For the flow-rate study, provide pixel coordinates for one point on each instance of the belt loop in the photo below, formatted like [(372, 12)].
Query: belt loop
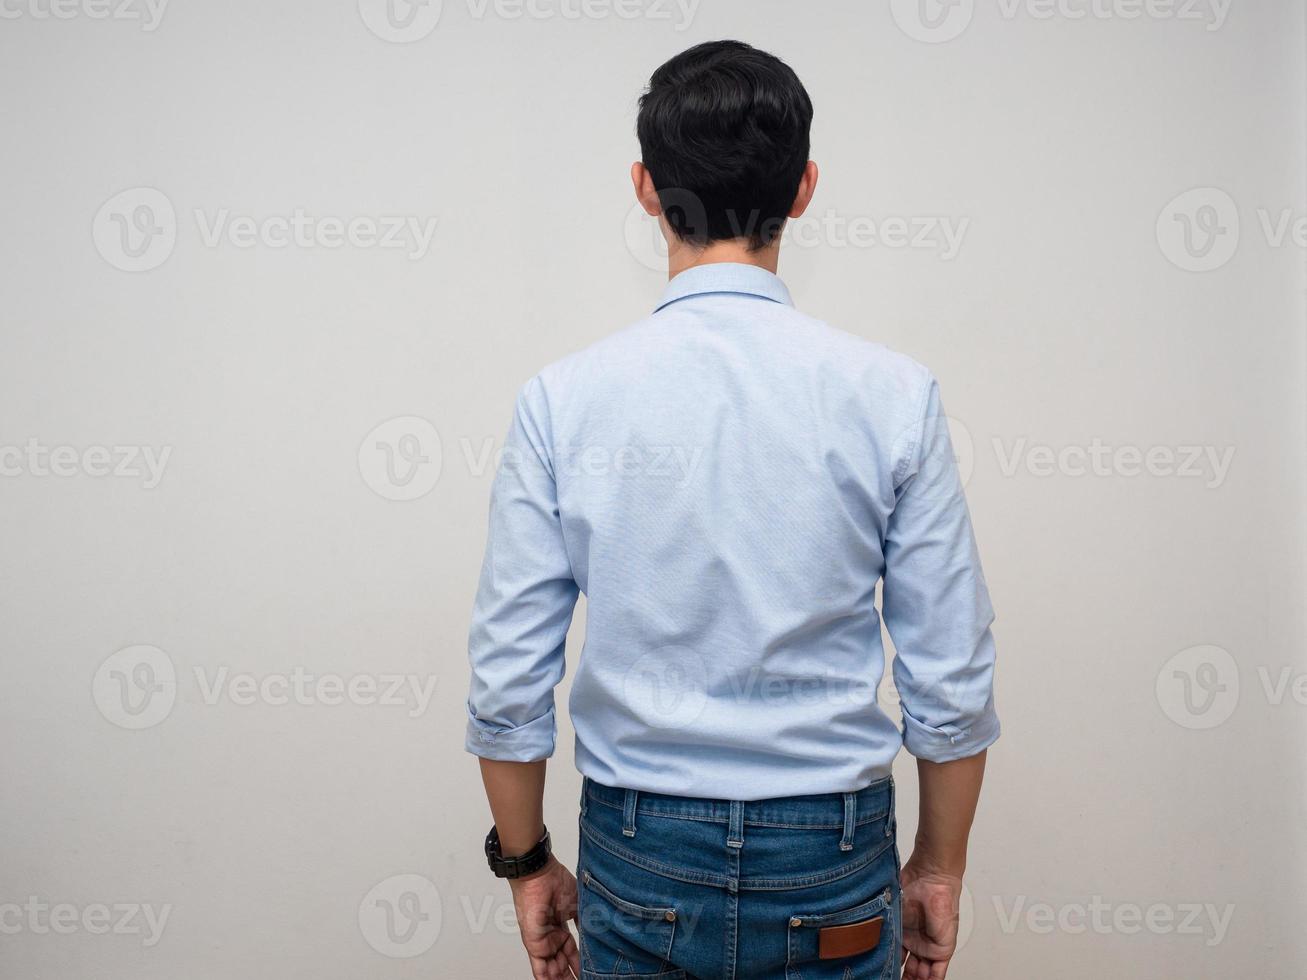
[(735, 831), (585, 792), (628, 813), (850, 820)]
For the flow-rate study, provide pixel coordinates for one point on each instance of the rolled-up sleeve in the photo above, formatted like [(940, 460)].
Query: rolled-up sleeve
[(524, 600), (935, 602)]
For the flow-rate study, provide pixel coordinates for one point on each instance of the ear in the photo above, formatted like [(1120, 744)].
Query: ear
[(645, 192), (807, 188)]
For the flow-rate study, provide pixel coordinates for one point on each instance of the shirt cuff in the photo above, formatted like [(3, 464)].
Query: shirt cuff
[(948, 744), (527, 743)]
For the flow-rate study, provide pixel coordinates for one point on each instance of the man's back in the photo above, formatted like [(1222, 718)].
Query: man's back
[(728, 481), (727, 476)]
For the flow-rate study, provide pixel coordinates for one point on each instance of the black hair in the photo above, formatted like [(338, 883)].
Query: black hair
[(725, 133)]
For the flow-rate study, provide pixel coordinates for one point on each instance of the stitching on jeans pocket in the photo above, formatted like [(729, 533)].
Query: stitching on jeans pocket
[(654, 939), (644, 912), (803, 928)]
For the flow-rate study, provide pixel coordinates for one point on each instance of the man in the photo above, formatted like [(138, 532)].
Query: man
[(727, 481)]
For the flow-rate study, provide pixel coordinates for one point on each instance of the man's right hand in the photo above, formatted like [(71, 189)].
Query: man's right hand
[(930, 920), (932, 878), (544, 903)]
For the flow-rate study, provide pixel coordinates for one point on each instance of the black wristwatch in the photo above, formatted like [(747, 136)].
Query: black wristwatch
[(517, 867)]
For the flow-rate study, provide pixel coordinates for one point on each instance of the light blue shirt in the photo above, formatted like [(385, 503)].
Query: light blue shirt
[(727, 481)]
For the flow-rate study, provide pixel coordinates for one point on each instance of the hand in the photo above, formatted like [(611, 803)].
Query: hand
[(544, 902), (930, 919)]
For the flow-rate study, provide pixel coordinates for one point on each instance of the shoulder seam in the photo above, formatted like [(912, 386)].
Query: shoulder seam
[(918, 423)]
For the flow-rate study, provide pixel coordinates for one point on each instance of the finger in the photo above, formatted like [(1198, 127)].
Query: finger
[(567, 903), (573, 955), (562, 965), (938, 969)]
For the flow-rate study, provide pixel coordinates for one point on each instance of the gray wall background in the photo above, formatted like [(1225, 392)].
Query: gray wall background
[(205, 424)]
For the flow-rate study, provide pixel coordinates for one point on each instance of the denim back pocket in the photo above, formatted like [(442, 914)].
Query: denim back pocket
[(805, 943), (622, 939)]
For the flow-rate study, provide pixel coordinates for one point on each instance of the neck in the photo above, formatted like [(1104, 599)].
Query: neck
[(681, 257)]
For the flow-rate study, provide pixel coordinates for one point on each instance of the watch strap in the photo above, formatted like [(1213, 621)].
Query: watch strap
[(522, 865)]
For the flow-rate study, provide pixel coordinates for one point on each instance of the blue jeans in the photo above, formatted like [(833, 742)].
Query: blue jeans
[(673, 887)]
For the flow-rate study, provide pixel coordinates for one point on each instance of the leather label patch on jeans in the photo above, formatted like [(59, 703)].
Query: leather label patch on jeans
[(834, 942)]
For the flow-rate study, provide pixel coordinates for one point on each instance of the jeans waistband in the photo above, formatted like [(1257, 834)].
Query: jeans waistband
[(824, 811)]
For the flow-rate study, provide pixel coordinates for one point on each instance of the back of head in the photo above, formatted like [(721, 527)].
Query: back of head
[(724, 132)]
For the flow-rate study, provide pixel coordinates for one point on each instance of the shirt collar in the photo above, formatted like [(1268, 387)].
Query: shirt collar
[(726, 277)]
